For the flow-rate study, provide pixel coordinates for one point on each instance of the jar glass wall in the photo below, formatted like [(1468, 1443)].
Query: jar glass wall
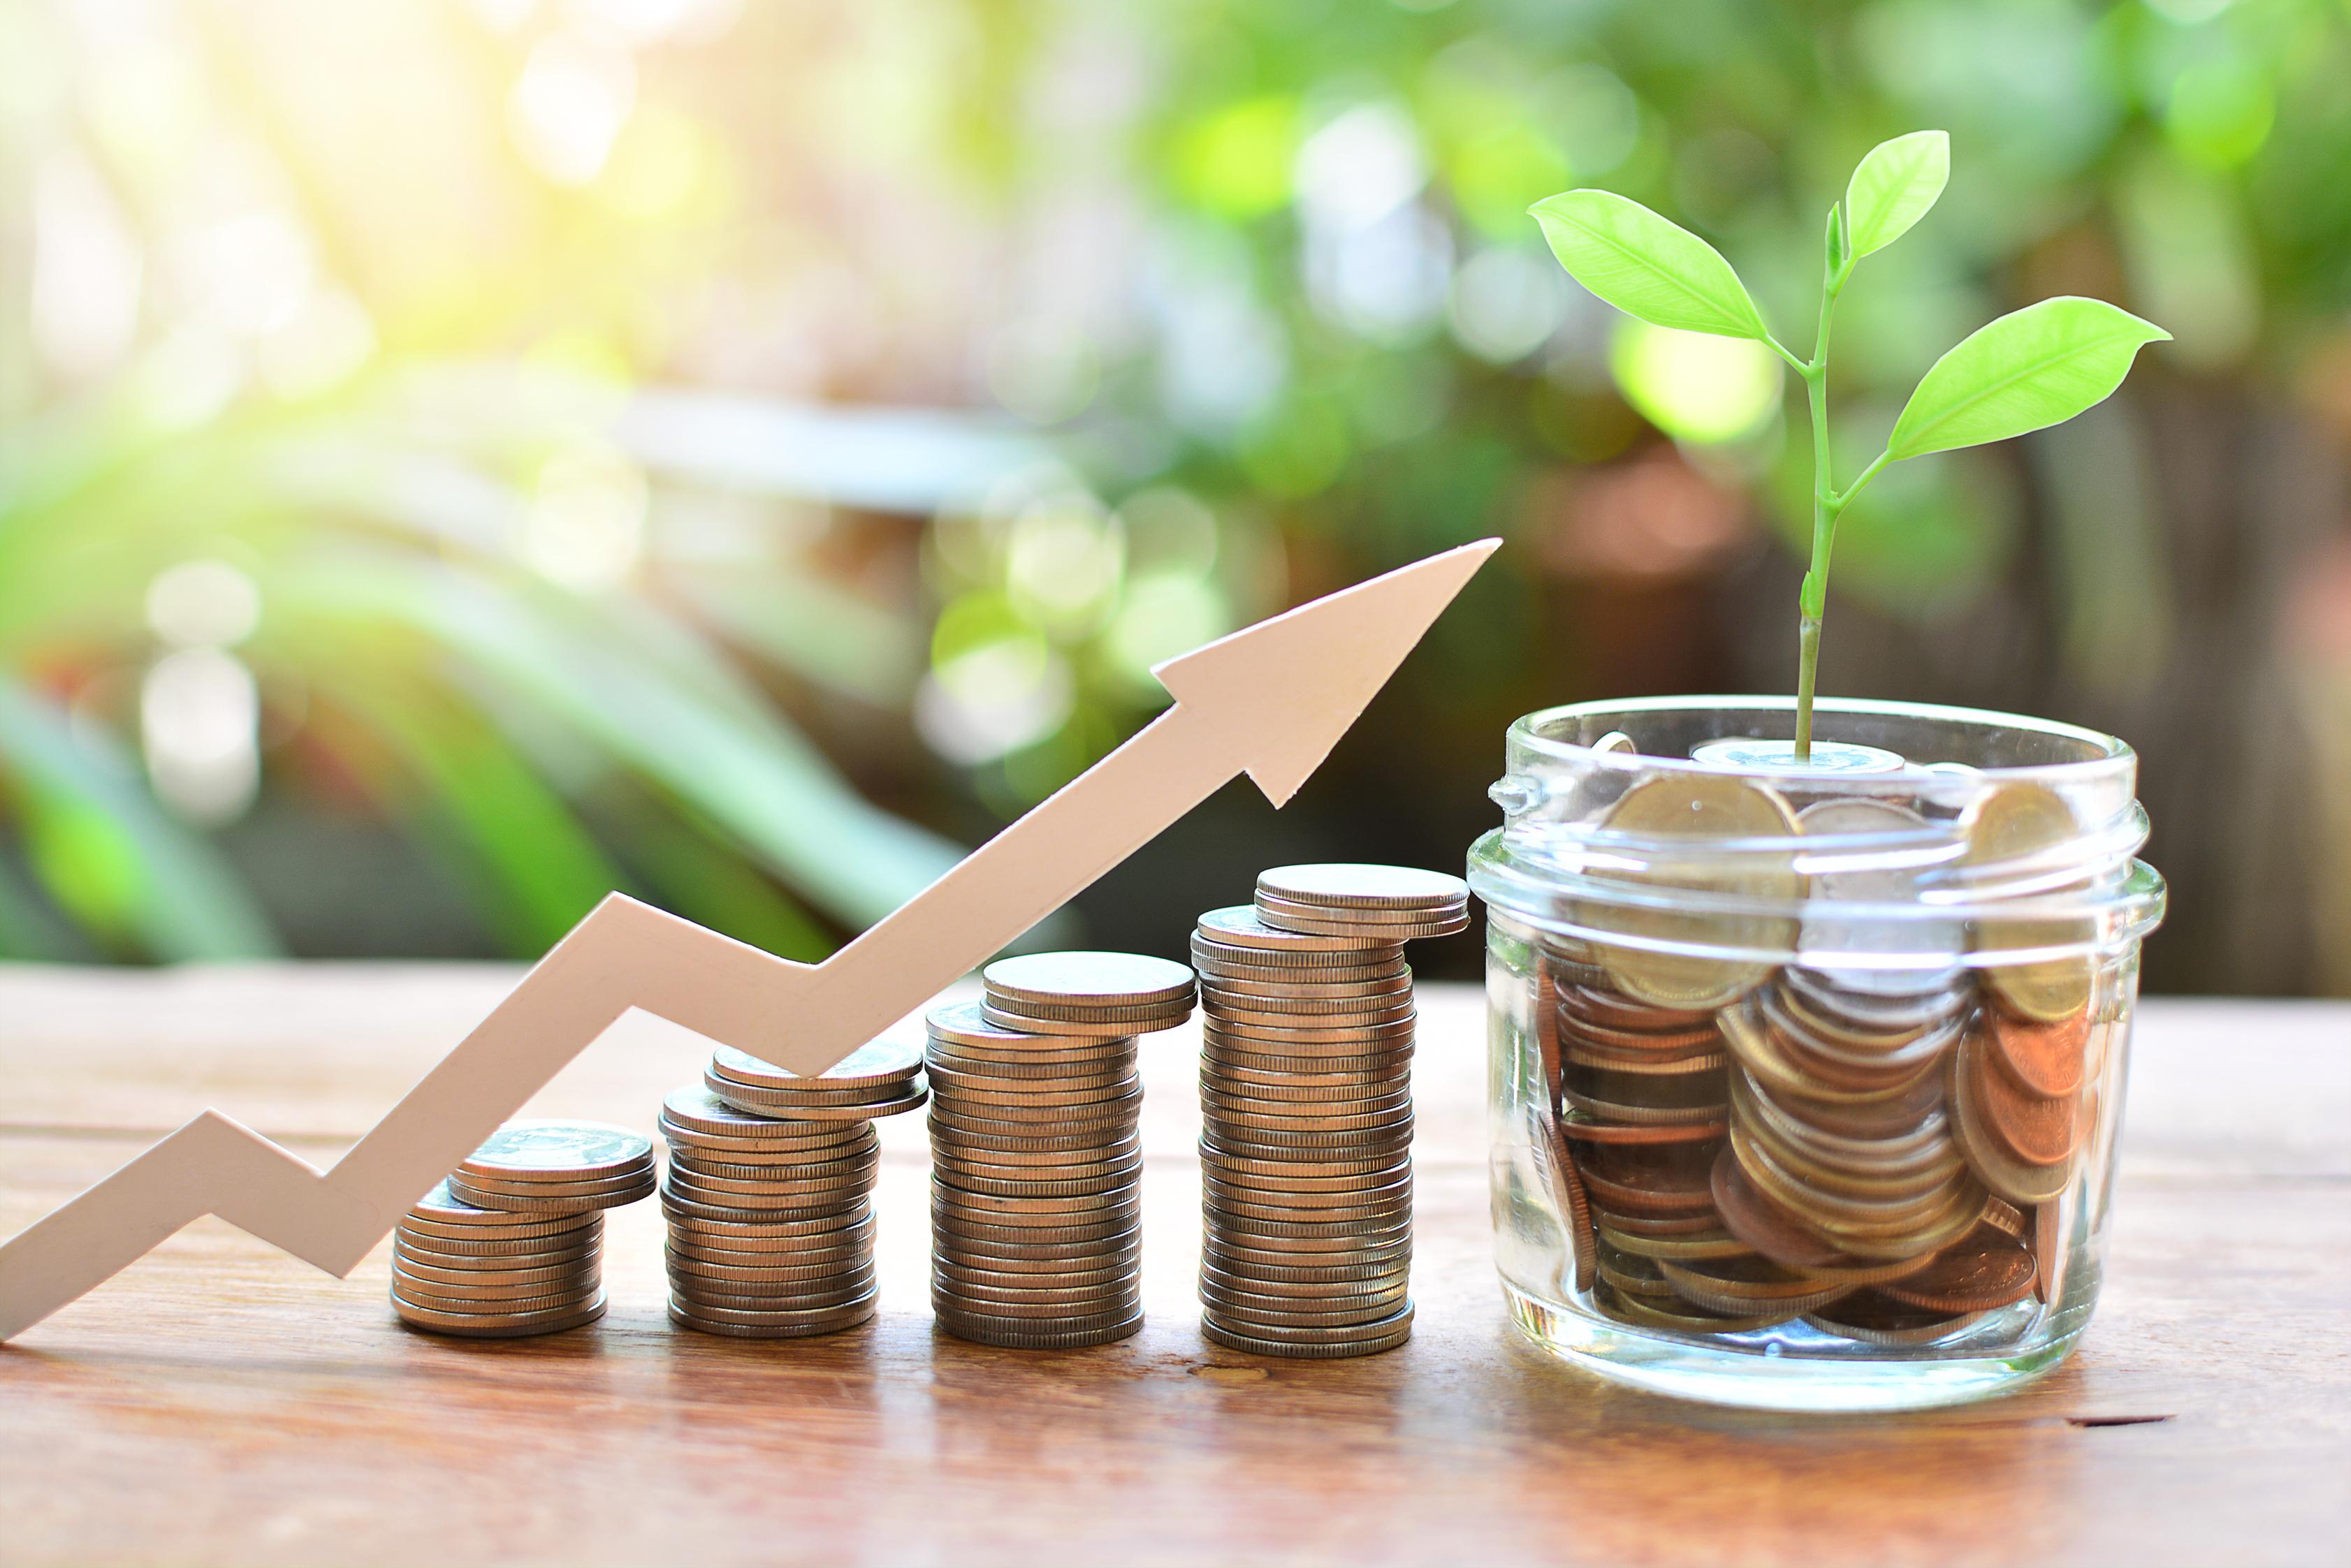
[(1805, 1084)]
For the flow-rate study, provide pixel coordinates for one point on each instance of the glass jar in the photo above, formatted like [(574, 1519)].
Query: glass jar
[(1805, 1081)]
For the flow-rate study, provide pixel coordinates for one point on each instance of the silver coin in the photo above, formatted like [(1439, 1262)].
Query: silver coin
[(558, 1150), (1302, 988), (519, 1229), (431, 1275), (993, 1268), (1306, 1197), (966, 1239), (492, 1325), (1272, 1091), (1369, 1270), (572, 1288), (818, 1266), (703, 1295), (964, 1024), (1239, 926), (1210, 956), (815, 1196), (1354, 886), (1236, 1339), (823, 1323), (1388, 1283), (1077, 1028), (1249, 1312), (1056, 1256), (1070, 1206), (875, 1064), (960, 1273), (742, 1096), (689, 1253), (953, 1211), (840, 1317), (1010, 1338), (1376, 1329), (780, 1171), (1103, 1119), (1077, 1307), (957, 1315), (1125, 980), (413, 1294), (521, 1205), (946, 1066), (694, 1109), (1433, 925), (462, 1183), (459, 1256), (1298, 1039)]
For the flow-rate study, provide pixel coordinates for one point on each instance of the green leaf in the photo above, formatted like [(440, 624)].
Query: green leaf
[(1644, 266), (1893, 186), (2031, 369)]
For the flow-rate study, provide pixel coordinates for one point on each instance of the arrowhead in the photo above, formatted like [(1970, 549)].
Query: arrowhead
[(1285, 689)]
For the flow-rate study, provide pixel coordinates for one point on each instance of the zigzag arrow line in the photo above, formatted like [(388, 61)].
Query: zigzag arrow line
[(1269, 700)]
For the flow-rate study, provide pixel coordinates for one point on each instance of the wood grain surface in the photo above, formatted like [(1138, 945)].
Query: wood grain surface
[(221, 1403)]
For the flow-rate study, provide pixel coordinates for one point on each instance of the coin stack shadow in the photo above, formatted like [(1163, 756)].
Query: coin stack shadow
[(1037, 1161), (769, 1196), (1812, 1148), (1306, 1097), (511, 1243)]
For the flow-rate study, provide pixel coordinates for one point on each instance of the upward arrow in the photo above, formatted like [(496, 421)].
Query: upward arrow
[(1269, 700)]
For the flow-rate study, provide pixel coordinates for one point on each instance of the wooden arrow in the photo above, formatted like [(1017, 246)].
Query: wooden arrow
[(1269, 700)]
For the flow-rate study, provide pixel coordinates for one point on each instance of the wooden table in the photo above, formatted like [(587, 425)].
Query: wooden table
[(222, 1403)]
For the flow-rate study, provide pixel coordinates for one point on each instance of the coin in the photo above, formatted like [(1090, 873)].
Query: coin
[(1239, 926), (1870, 1318), (875, 1064), (496, 1326), (1652, 818), (2011, 826), (801, 1107), (1990, 1269), (1102, 979), (1347, 884), (1315, 919), (560, 1149), (2046, 1059), (1993, 1164)]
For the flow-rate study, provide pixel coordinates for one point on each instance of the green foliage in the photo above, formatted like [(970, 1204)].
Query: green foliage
[(1892, 189), (2032, 369), (1646, 265)]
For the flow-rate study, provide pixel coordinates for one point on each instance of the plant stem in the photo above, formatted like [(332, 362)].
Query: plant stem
[(1812, 602)]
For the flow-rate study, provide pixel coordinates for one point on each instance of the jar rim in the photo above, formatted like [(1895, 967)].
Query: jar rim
[(2106, 753)]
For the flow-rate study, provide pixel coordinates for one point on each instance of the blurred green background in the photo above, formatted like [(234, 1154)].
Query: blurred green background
[(462, 456)]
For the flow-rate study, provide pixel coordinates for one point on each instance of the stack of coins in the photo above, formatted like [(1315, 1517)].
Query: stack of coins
[(769, 1192), (1036, 1166), (1873, 1148), (1306, 1096), (512, 1243)]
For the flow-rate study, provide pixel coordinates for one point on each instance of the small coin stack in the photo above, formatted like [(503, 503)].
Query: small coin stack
[(1868, 1148), (512, 1243), (1036, 1165), (769, 1194), (1306, 1094)]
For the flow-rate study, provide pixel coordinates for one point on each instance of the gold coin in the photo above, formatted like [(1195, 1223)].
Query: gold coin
[(2013, 822), (1699, 807)]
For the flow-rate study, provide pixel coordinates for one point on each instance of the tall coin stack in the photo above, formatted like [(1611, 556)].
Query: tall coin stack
[(1036, 1165), (1306, 1094), (769, 1198), (512, 1243)]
